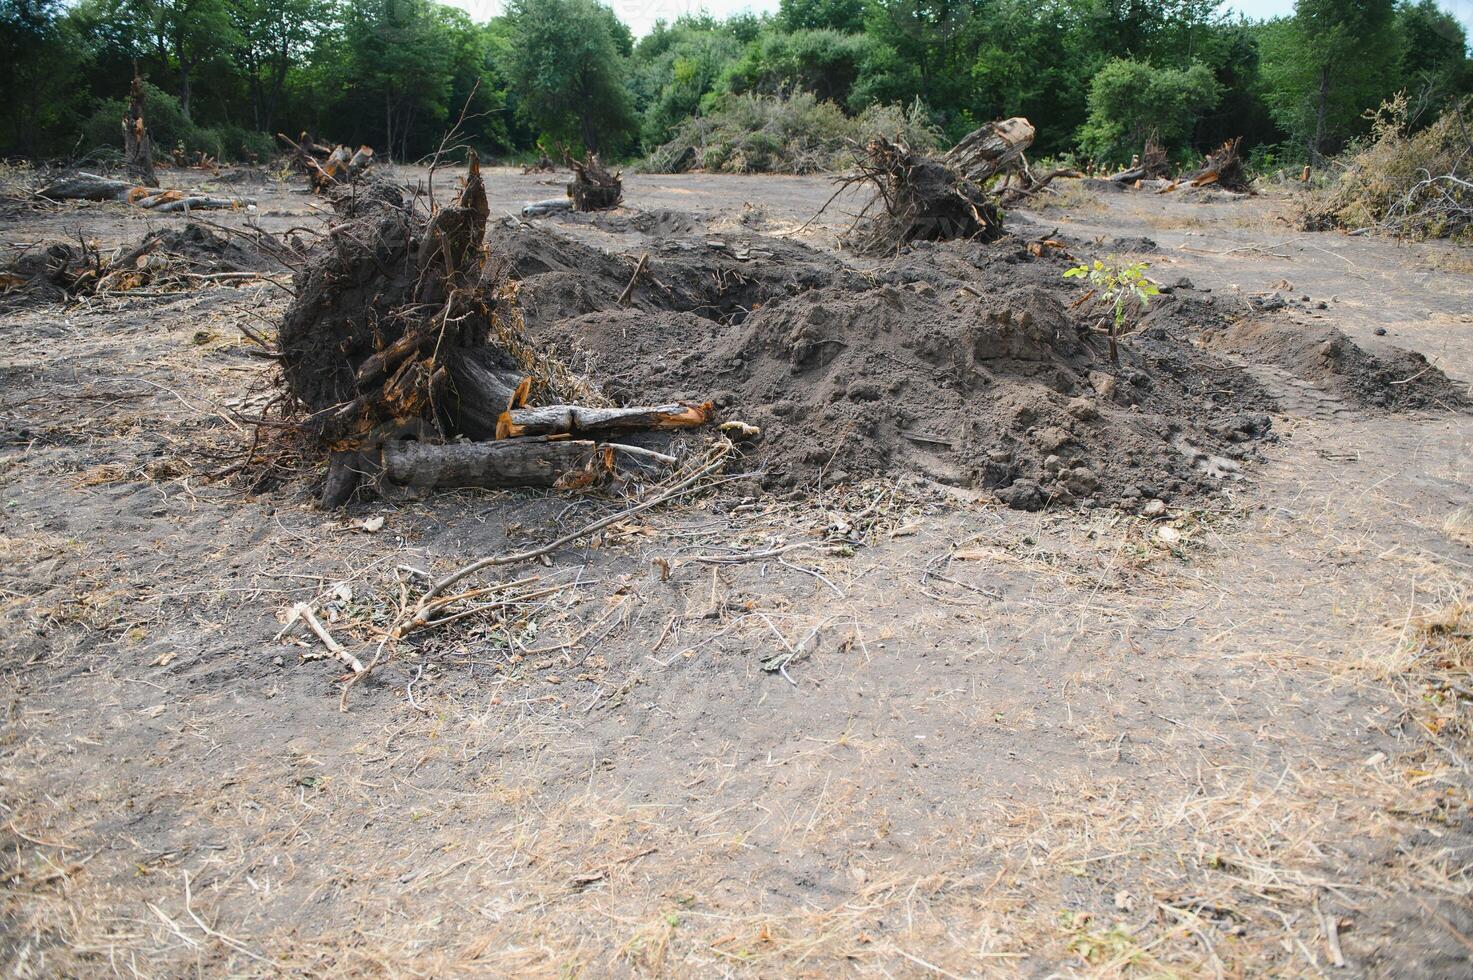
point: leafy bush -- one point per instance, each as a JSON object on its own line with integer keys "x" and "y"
{"x": 795, "y": 135}
{"x": 166, "y": 123}
{"x": 102, "y": 132}
{"x": 1418, "y": 184}
{"x": 826, "y": 63}
{"x": 1130, "y": 100}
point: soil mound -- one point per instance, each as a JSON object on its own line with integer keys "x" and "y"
{"x": 1381, "y": 376}
{"x": 203, "y": 249}
{"x": 721, "y": 278}
{"x": 961, "y": 361}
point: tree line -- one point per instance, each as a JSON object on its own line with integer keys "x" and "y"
{"x": 1097, "y": 77}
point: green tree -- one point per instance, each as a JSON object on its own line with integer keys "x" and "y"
{"x": 1433, "y": 62}
{"x": 272, "y": 36}
{"x": 1327, "y": 64}
{"x": 810, "y": 15}
{"x": 184, "y": 36}
{"x": 566, "y": 62}
{"x": 1130, "y": 100}
{"x": 40, "y": 59}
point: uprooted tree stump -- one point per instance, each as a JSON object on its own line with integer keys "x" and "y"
{"x": 1152, "y": 164}
{"x": 137, "y": 145}
{"x": 594, "y": 187}
{"x": 923, "y": 198}
{"x": 401, "y": 331}
{"x": 919, "y": 198}
{"x": 1223, "y": 167}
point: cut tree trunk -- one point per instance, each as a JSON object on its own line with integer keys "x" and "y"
{"x": 594, "y": 188}
{"x": 502, "y": 463}
{"x": 87, "y": 187}
{"x": 990, "y": 150}
{"x": 137, "y": 145}
{"x": 583, "y": 420}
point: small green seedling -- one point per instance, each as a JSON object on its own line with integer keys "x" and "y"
{"x": 1117, "y": 286}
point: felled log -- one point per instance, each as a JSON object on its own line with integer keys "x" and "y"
{"x": 991, "y": 149}
{"x": 534, "y": 462}
{"x": 360, "y": 161}
{"x": 137, "y": 145}
{"x": 87, "y": 187}
{"x": 91, "y": 187}
{"x": 593, "y": 187}
{"x": 585, "y": 420}
{"x": 553, "y": 205}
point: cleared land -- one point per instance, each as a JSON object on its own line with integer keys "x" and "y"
{"x": 941, "y": 737}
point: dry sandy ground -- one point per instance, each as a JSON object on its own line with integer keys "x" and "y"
{"x": 1000, "y": 743}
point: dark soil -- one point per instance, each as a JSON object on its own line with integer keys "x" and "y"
{"x": 959, "y": 361}
{"x": 965, "y": 362}
{"x": 1374, "y": 376}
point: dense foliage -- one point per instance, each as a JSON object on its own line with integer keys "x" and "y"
{"x": 1095, "y": 76}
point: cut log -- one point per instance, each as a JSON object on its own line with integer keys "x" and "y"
{"x": 203, "y": 203}
{"x": 137, "y": 145}
{"x": 360, "y": 161}
{"x": 87, "y": 187}
{"x": 990, "y": 150}
{"x": 581, "y": 420}
{"x": 594, "y": 188}
{"x": 90, "y": 187}
{"x": 553, "y": 205}
{"x": 501, "y": 463}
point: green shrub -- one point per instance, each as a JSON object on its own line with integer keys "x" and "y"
{"x": 103, "y": 131}
{"x": 1130, "y": 100}
{"x": 795, "y": 135}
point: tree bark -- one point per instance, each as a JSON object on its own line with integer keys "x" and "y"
{"x": 501, "y": 463}
{"x": 1320, "y": 112}
{"x": 990, "y": 149}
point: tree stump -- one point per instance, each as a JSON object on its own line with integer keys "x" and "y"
{"x": 137, "y": 145}
{"x": 594, "y": 188}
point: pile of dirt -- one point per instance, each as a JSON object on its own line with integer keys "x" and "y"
{"x": 202, "y": 249}
{"x": 722, "y": 278}
{"x": 1380, "y": 376}
{"x": 959, "y": 360}
{"x": 171, "y": 257}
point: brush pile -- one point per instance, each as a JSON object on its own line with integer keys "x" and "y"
{"x": 1415, "y": 184}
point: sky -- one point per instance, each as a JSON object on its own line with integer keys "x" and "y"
{"x": 641, "y": 15}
